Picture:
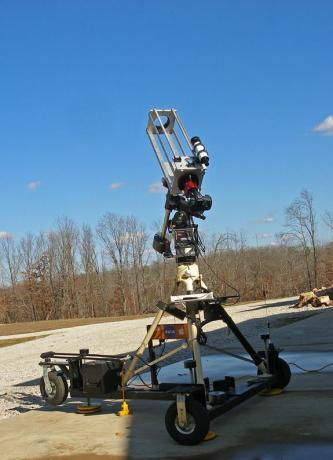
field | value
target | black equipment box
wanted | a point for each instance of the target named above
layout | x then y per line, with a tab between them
101	377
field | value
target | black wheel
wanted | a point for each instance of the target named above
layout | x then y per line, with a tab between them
197	423
283	373
59	387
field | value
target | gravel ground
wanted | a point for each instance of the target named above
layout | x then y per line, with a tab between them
20	372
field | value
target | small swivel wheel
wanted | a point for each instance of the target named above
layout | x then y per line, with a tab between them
197	425
59	389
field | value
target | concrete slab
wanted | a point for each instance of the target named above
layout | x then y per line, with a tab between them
313	333
218	366
303	413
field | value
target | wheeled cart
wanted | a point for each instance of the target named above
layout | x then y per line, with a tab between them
194	404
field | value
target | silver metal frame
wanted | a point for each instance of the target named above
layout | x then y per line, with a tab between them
173	149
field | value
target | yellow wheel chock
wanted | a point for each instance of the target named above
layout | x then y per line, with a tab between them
124	409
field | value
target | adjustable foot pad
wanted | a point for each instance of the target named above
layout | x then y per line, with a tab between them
271	392
88	409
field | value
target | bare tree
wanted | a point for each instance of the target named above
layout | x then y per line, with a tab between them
137	238
70	273
112	232
10	255
92	292
328	219
28	254
302	226
63	246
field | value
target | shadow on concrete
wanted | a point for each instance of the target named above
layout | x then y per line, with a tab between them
272	305
28	383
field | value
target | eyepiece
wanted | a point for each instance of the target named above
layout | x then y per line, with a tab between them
205	160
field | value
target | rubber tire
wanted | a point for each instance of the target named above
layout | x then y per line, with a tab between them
201	419
59	382
283	374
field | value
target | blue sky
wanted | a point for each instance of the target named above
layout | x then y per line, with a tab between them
77	78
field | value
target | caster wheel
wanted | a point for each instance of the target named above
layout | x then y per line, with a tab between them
59	388
197	423
283	374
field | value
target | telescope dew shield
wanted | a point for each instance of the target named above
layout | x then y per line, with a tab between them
200	151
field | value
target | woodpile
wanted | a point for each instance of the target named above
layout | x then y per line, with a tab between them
316	298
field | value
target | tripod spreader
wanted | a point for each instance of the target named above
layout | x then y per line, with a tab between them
172	310
213	310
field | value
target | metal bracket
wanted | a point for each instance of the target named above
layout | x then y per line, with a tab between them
181	410
47	383
263	368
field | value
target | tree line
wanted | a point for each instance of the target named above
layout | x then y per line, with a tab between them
111	270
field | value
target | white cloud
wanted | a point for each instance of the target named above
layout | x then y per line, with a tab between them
116	185
33	184
5	235
264	236
269	219
156	187
325	127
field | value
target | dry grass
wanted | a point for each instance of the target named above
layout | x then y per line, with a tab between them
9	342
40	326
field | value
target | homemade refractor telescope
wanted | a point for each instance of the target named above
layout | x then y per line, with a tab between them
183	161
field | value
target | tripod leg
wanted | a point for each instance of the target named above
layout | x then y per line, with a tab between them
129	372
193	331
258	361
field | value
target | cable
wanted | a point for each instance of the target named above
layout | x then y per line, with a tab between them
194	239
138	375
266	307
160	356
136	384
149	365
311	370
226	352
144	383
222	280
